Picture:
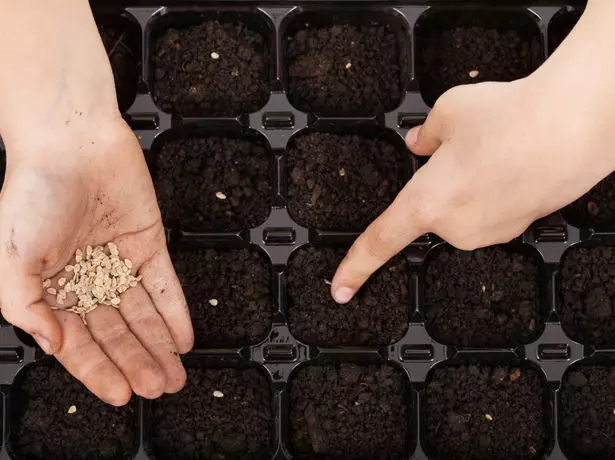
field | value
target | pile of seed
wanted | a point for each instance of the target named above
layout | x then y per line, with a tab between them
99	277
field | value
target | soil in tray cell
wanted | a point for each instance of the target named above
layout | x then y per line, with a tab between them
450	54
349	412
587	413
561	25
229	294
595	209
587	295
481	412
211	69
123	56
213	183
342	182
344	70
220	414
484	298
377	315
58	418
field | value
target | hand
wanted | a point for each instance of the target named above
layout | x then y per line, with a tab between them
503	155
69	188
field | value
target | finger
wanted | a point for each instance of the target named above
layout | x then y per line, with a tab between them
148	326
110	331
427	138
23	306
385	237
84	359
163	287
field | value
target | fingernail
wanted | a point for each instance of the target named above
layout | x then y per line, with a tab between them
413	136
43	343
343	294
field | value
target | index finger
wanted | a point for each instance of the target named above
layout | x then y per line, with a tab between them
392	231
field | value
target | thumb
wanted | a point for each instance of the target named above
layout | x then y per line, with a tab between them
23	306
425	139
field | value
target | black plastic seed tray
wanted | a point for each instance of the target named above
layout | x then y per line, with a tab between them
545	274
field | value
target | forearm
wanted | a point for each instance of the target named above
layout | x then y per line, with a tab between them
55	69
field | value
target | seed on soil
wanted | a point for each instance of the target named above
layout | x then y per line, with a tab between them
327	282
220	196
215	55
483	287
473	73
532	450
348	65
213	302
489	417
72	409
342	172
515	375
592	209
218	394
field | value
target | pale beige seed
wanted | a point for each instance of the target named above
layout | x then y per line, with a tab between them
473	73
213	302
220	196
128	263
69	268
214	55
46	284
218	394
51	291
61	282
489	417
72	409
342	172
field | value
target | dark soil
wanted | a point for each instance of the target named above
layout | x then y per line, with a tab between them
319	80
446	57
587	413
189	80
238	282
484	298
595	209
342	182
124	62
42	428
377	315
459	401
561	25
587	295
192	171
349	412
193	424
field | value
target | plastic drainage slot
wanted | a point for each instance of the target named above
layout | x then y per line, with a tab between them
280	353
551	234
279	235
409	120
11	354
278	120
144	121
554	351
417	353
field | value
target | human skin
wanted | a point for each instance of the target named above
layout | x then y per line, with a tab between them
503	154
76	176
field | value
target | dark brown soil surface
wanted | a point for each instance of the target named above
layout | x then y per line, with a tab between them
587	295
190	174
595	209
42	427
124	62
344	70
342	182
238	282
211	69
587	426
194	424
484	298
447	57
480	412
349	412
561	25
377	315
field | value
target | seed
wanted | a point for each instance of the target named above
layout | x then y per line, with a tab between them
483	287
327	282
220	196
515	375
348	65
61	282
214	55
342	172
473	73
218	394
46	284
72	409
532	450
51	291
489	417
213	302
128	263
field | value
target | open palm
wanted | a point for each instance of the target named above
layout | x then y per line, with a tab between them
92	190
